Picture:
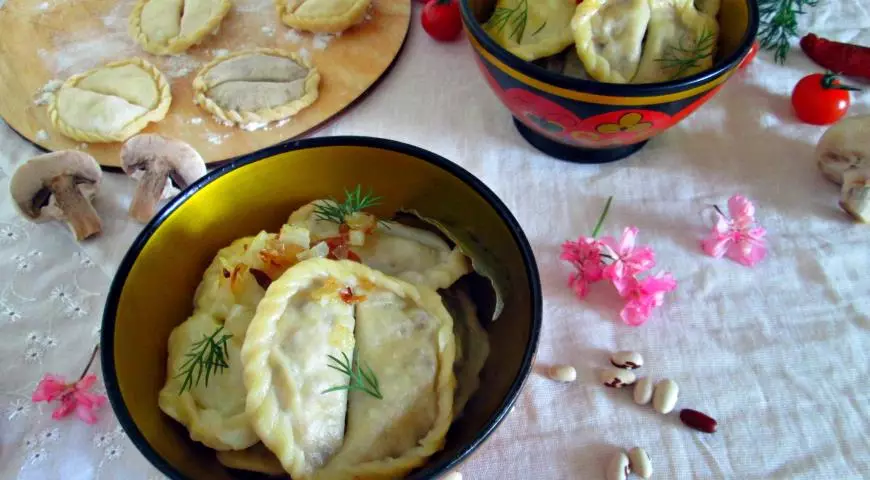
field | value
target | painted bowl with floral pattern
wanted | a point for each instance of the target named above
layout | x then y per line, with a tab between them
594	122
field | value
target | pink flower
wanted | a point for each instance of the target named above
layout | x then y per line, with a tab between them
628	260
73	396
739	238
644	295
585	256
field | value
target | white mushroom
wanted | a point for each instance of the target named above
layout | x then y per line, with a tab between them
855	195
157	163
844	146
59	186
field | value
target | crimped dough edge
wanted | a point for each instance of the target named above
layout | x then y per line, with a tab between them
312	82
135	126
177	44
334	24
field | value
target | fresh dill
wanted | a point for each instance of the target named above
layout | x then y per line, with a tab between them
778	24
362	377
687	55
513	18
354	201
208	356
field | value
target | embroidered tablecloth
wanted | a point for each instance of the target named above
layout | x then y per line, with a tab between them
777	353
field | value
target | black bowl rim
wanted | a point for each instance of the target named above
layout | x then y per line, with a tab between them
611	89
108	322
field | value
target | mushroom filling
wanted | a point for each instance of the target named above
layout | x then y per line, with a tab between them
256	82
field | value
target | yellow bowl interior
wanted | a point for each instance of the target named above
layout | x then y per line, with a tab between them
157	292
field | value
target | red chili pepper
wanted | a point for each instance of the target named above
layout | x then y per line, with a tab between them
842	58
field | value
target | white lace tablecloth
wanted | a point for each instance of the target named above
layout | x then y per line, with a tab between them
777	353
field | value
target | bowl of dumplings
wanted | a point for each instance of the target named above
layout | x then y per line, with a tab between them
592	81
335	308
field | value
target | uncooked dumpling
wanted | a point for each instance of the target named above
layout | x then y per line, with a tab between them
254	459
532	29
609	37
327	16
680	42
164	27
256	86
110	103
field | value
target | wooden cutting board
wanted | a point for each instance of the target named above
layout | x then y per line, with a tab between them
45	40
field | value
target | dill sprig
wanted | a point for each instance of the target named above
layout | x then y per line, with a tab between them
354	201
362	378
208	356
516	17
778	24
687	55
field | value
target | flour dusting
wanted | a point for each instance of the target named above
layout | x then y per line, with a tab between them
216	138
2	3
178	66
321	41
82	146
293	36
282	122
44	6
220	52
196	121
221	121
254	6
41	136
269	31
45	94
305	54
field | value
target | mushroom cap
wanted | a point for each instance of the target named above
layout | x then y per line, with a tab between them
34	175
142	151
844	146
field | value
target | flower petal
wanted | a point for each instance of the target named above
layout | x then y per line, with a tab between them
716	244
67	405
49	388
739	207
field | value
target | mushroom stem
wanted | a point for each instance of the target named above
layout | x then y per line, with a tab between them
80	214
148	193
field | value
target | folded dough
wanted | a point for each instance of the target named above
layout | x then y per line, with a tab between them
326	16
609	37
472	346
165	27
531	29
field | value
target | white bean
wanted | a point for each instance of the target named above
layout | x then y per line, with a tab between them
665	396
563	373
616	377
617	467
639	462
643	391
627	360
453	476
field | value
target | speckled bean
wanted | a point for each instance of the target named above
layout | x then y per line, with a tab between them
616	377
627	360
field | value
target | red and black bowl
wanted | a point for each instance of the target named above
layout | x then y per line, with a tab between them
593	122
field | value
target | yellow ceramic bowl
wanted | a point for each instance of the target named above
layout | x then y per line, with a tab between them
594	122
153	289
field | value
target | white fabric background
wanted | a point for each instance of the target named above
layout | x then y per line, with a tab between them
778	354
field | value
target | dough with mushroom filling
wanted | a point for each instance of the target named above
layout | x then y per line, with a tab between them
226	297
472	345
609	37
110	103
327	16
414	255
708	7
676	32
164	27
256	86
532	29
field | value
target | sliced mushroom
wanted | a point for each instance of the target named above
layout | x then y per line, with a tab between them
844	146
59	186
855	195
158	162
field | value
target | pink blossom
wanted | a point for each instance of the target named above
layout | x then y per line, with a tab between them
585	256
628	259
643	295
73	396
738	237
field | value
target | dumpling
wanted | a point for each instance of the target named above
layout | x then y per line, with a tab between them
320	312
609	37
405	335
708	7
254	459
532	29
412	254
213	414
301	322
680	42
472	346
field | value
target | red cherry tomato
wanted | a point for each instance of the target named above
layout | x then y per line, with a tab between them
441	19
820	99
753	50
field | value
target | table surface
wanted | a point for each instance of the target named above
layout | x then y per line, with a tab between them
777	353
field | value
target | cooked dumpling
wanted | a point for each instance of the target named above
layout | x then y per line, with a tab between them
680	42
532	29
255	459
609	35
301	322
414	255
405	336
472	346
214	414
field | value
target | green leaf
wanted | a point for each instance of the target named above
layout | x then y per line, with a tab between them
482	260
